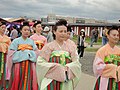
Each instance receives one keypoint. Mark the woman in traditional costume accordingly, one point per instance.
(58, 67)
(106, 64)
(68, 40)
(21, 68)
(39, 39)
(4, 44)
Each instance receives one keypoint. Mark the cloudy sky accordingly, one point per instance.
(98, 9)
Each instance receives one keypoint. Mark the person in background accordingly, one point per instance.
(104, 36)
(6, 31)
(21, 62)
(106, 65)
(48, 34)
(14, 33)
(9, 30)
(4, 44)
(71, 34)
(94, 36)
(39, 39)
(80, 43)
(32, 30)
(68, 38)
(58, 66)
(45, 31)
(19, 32)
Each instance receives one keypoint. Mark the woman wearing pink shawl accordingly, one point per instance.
(58, 66)
(106, 64)
(39, 39)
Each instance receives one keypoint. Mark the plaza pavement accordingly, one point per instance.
(86, 82)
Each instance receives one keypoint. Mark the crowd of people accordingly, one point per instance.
(29, 62)
(45, 59)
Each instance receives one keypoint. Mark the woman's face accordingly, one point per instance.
(38, 28)
(68, 35)
(113, 37)
(25, 31)
(2, 29)
(61, 33)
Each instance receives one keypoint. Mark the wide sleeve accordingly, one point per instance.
(102, 69)
(74, 71)
(56, 72)
(46, 72)
(110, 71)
(11, 51)
(74, 68)
(73, 52)
(14, 45)
(75, 59)
(118, 76)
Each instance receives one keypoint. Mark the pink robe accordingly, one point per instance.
(40, 38)
(49, 71)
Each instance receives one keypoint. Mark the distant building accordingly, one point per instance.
(44, 19)
(80, 20)
(54, 18)
(51, 18)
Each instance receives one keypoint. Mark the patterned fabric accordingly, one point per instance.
(25, 46)
(39, 44)
(115, 59)
(23, 76)
(3, 82)
(39, 40)
(62, 58)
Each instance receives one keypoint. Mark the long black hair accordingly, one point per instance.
(25, 23)
(36, 22)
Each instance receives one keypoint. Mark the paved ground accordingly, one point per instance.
(87, 63)
(86, 82)
(87, 77)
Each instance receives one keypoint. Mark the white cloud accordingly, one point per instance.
(73, 3)
(99, 9)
